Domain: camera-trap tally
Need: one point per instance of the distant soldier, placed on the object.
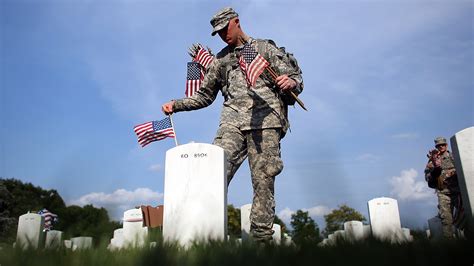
(254, 114)
(441, 175)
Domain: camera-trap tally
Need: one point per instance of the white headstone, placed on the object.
(354, 230)
(117, 242)
(30, 231)
(68, 244)
(287, 240)
(339, 235)
(324, 242)
(276, 233)
(81, 242)
(53, 239)
(245, 221)
(385, 219)
(462, 144)
(195, 196)
(134, 234)
(406, 235)
(331, 238)
(436, 228)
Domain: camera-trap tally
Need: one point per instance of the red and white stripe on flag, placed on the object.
(193, 78)
(203, 57)
(153, 131)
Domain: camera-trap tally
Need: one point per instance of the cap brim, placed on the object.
(218, 28)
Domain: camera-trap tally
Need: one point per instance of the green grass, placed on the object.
(371, 252)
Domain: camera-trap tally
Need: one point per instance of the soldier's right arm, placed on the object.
(205, 95)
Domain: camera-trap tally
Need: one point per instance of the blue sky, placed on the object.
(382, 80)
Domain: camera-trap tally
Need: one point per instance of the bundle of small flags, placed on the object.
(252, 64)
(49, 218)
(196, 70)
(154, 131)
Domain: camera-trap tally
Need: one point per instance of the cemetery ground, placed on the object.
(368, 252)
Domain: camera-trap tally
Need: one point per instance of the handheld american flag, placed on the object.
(203, 57)
(154, 131)
(252, 64)
(193, 79)
(49, 218)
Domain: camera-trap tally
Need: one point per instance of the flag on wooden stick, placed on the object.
(252, 64)
(154, 131)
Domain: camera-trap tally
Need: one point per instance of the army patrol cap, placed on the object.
(221, 19)
(439, 141)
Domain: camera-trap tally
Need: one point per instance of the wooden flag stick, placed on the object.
(174, 130)
(274, 76)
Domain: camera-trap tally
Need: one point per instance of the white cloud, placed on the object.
(316, 211)
(320, 210)
(119, 200)
(155, 167)
(408, 135)
(367, 157)
(406, 186)
(285, 214)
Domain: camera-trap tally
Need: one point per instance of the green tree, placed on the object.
(233, 221)
(27, 197)
(305, 229)
(7, 222)
(86, 221)
(335, 220)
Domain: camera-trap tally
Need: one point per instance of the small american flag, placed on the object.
(49, 218)
(193, 79)
(203, 57)
(153, 131)
(252, 64)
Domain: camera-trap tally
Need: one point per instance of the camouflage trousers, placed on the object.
(262, 147)
(446, 201)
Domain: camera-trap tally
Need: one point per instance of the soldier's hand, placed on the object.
(285, 83)
(167, 108)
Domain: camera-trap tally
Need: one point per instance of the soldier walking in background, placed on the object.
(254, 114)
(441, 175)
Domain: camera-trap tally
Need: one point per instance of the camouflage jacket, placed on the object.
(445, 175)
(245, 107)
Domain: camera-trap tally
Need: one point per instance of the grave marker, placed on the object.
(195, 196)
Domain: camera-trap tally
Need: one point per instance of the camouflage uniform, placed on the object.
(252, 122)
(447, 188)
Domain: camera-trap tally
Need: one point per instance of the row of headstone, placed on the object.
(354, 231)
(31, 234)
(384, 225)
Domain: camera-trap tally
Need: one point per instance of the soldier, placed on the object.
(253, 119)
(441, 175)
